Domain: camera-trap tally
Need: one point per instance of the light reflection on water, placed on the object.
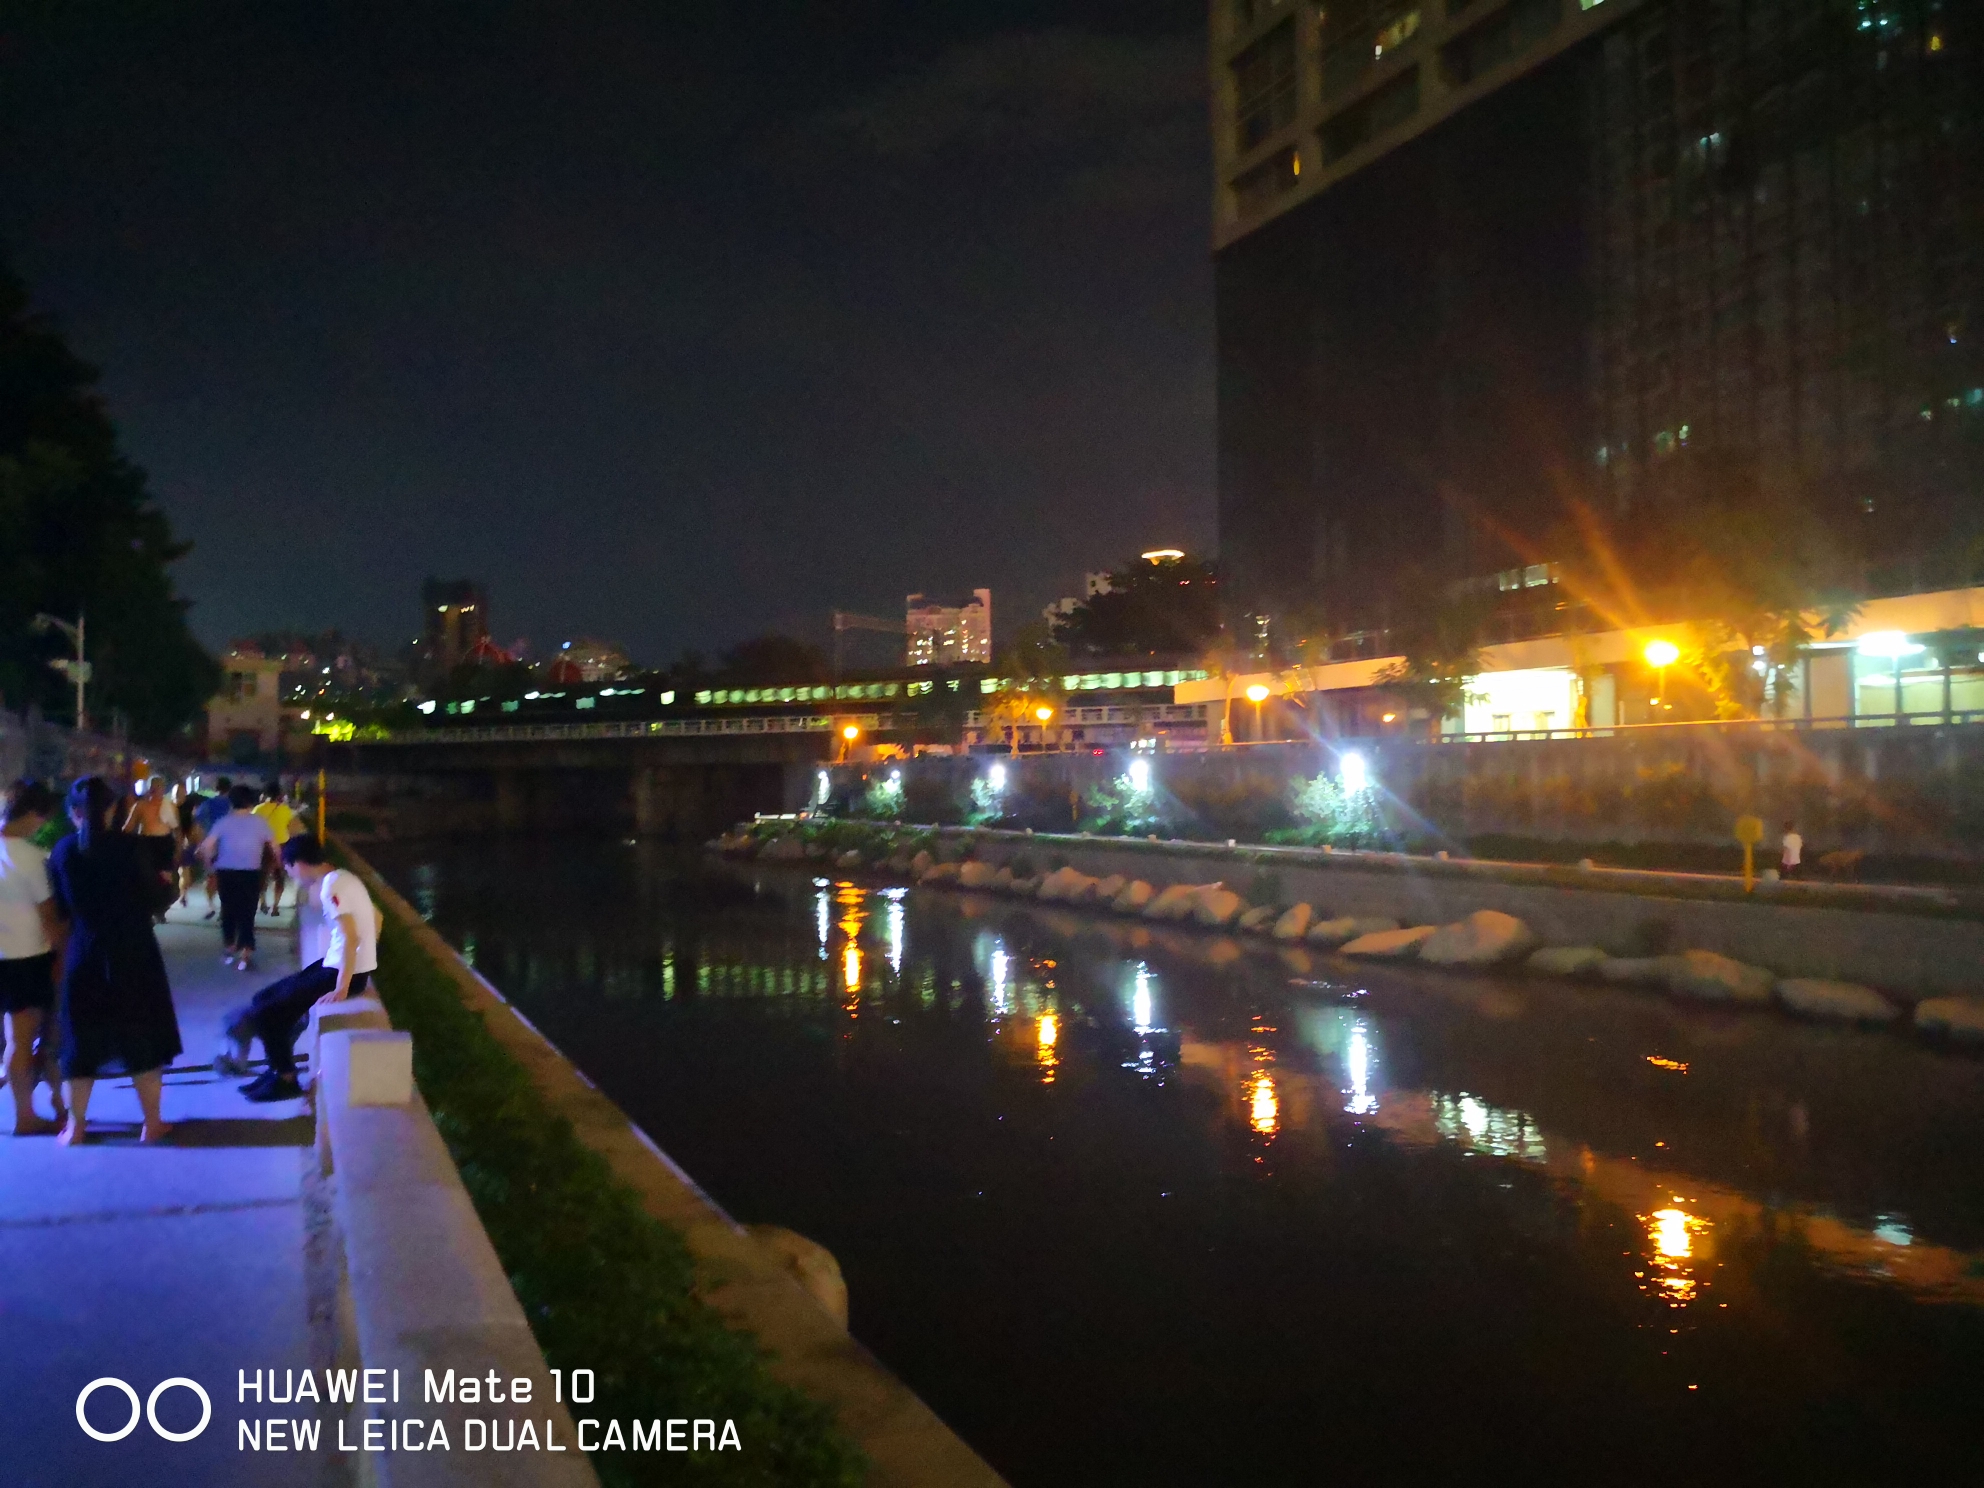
(1053, 1029)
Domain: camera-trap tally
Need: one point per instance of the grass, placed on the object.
(605, 1285)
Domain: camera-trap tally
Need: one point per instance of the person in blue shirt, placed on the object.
(209, 811)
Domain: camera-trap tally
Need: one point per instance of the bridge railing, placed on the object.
(657, 728)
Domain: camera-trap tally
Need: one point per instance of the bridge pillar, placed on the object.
(512, 800)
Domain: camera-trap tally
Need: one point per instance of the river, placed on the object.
(1160, 1208)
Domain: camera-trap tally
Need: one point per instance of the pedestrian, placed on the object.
(154, 820)
(30, 933)
(209, 811)
(279, 1012)
(115, 1003)
(237, 849)
(282, 822)
(1792, 856)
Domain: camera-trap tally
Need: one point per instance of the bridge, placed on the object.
(678, 777)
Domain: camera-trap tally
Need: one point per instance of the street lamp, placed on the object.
(849, 734)
(1257, 694)
(1660, 655)
(76, 669)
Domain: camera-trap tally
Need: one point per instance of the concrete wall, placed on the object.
(1909, 792)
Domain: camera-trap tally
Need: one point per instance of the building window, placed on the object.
(1273, 178)
(1357, 33)
(1501, 37)
(1264, 87)
(1384, 110)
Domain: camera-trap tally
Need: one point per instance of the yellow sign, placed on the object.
(1749, 832)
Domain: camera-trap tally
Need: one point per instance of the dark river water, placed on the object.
(1150, 1207)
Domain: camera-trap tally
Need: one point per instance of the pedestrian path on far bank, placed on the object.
(186, 1259)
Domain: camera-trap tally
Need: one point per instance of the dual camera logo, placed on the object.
(149, 1410)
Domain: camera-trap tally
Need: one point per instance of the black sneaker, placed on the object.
(271, 1086)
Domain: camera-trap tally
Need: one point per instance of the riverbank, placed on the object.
(1863, 955)
(625, 1267)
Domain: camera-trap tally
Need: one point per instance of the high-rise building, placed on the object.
(1481, 264)
(948, 635)
(456, 621)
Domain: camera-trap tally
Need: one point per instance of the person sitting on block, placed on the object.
(280, 1011)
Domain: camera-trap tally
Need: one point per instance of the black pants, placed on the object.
(278, 1013)
(239, 889)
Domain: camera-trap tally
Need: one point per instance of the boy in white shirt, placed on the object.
(278, 1013)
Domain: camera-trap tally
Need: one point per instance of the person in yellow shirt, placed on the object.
(283, 823)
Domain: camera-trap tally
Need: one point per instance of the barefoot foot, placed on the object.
(36, 1128)
(72, 1135)
(156, 1133)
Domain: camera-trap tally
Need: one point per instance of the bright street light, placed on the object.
(1352, 770)
(1660, 655)
(1257, 694)
(851, 732)
(1043, 712)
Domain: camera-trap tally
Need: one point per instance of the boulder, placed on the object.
(922, 863)
(1293, 922)
(1389, 945)
(784, 850)
(900, 862)
(1845, 1002)
(1002, 881)
(1258, 919)
(1173, 903)
(1635, 971)
(1566, 961)
(1714, 978)
(1061, 883)
(1106, 889)
(849, 859)
(1135, 898)
(1028, 887)
(1347, 927)
(1217, 906)
(976, 875)
(810, 1264)
(1485, 938)
(1952, 1017)
(940, 874)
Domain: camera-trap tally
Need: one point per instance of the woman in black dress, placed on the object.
(116, 1008)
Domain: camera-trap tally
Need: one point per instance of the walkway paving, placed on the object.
(146, 1263)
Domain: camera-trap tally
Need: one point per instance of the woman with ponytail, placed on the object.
(116, 1006)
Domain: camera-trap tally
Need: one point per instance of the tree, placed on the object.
(1439, 648)
(772, 659)
(79, 535)
(1032, 668)
(1168, 609)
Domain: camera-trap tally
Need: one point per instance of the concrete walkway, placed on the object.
(146, 1263)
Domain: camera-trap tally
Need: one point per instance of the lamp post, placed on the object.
(76, 669)
(1044, 713)
(1660, 655)
(1257, 694)
(848, 734)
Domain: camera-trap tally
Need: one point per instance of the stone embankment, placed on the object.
(1478, 939)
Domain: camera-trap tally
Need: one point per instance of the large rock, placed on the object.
(1293, 922)
(1389, 945)
(1217, 906)
(810, 1264)
(1026, 888)
(940, 874)
(1485, 938)
(785, 850)
(1257, 920)
(922, 863)
(976, 875)
(1845, 1002)
(1067, 883)
(1135, 898)
(1002, 881)
(1173, 903)
(1347, 927)
(849, 859)
(1105, 890)
(901, 862)
(1952, 1017)
(1566, 961)
(1713, 978)
(1635, 971)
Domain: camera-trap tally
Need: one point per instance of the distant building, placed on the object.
(587, 660)
(949, 635)
(455, 621)
(245, 719)
(1092, 584)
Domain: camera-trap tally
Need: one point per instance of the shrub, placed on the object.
(1329, 813)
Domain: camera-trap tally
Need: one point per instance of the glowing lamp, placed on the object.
(1257, 694)
(1391, 718)
(1355, 774)
(1661, 654)
(996, 777)
(1892, 644)
(1043, 713)
(851, 732)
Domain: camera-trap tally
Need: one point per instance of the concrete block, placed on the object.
(379, 1068)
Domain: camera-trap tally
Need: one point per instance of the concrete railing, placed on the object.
(421, 1286)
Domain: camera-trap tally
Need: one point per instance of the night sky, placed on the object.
(670, 322)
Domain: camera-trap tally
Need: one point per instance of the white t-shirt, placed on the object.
(241, 835)
(344, 893)
(23, 887)
(1794, 850)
